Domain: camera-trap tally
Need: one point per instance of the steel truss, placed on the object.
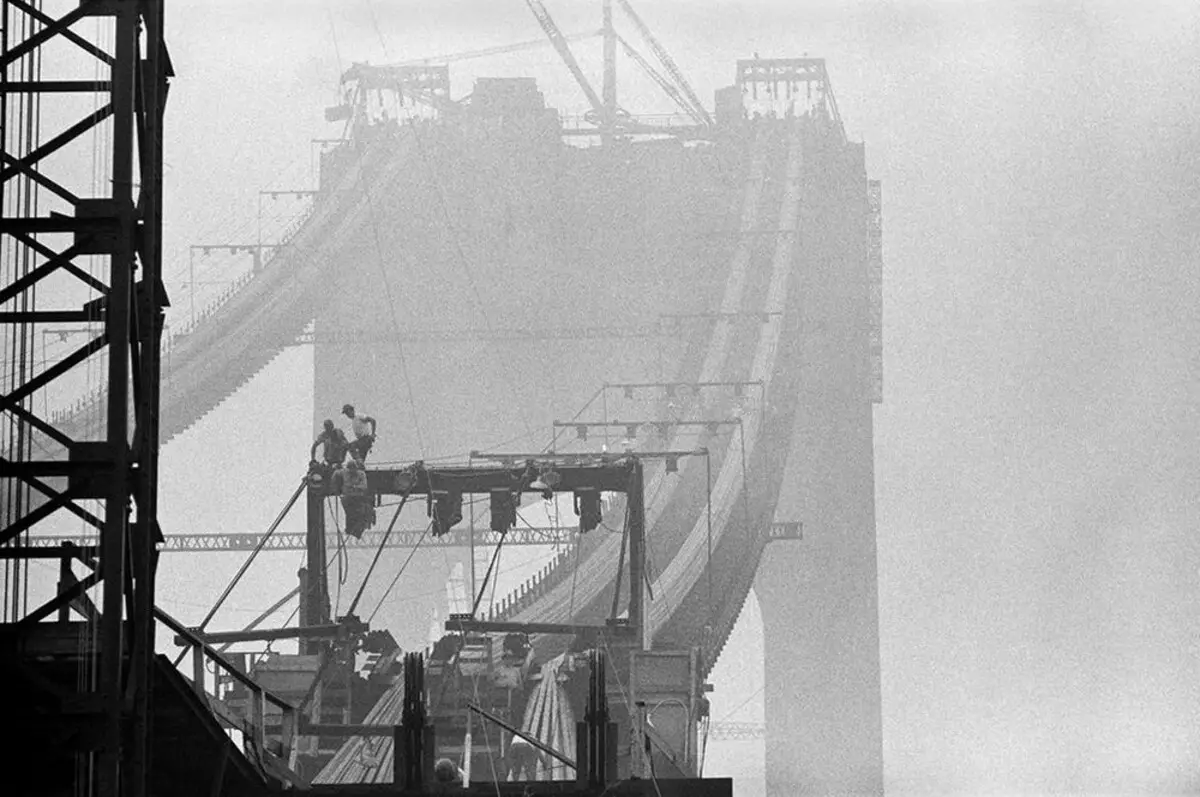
(109, 483)
(370, 540)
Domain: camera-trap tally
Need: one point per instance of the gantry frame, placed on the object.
(514, 473)
(117, 475)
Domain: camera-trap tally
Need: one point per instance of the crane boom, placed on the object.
(662, 82)
(500, 49)
(564, 52)
(668, 63)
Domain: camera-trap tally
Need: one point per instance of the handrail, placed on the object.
(254, 726)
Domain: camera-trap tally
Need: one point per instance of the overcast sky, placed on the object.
(1037, 461)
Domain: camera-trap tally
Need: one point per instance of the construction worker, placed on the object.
(445, 771)
(356, 498)
(335, 442)
(363, 427)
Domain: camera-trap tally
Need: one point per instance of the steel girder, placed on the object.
(109, 483)
(297, 541)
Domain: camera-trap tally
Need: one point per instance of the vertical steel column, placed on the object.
(150, 102)
(635, 496)
(118, 309)
(315, 594)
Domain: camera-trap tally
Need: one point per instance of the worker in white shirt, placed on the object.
(363, 427)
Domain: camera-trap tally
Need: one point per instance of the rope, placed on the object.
(257, 550)
(399, 573)
(379, 551)
(340, 556)
(486, 576)
(249, 560)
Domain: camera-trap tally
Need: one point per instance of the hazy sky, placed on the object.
(1036, 452)
(1036, 465)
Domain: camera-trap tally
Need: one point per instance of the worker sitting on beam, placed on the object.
(351, 482)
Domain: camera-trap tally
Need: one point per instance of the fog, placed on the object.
(1036, 454)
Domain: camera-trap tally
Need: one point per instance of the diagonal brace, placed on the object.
(54, 27)
(34, 421)
(64, 30)
(64, 598)
(42, 179)
(57, 498)
(58, 142)
(71, 268)
(59, 368)
(56, 261)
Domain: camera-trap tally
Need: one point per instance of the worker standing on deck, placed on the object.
(335, 442)
(363, 427)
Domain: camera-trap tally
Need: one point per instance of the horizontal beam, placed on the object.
(232, 246)
(724, 422)
(329, 631)
(192, 641)
(48, 467)
(761, 316)
(307, 728)
(55, 224)
(84, 553)
(506, 627)
(552, 456)
(40, 86)
(736, 233)
(527, 335)
(48, 317)
(50, 546)
(624, 385)
(605, 476)
(370, 540)
(676, 131)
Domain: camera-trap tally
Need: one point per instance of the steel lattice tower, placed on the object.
(107, 245)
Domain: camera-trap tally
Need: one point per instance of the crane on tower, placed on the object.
(668, 63)
(663, 83)
(556, 37)
(501, 49)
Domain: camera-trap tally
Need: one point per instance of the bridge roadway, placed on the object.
(427, 226)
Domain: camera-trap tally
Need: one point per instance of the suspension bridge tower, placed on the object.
(820, 600)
